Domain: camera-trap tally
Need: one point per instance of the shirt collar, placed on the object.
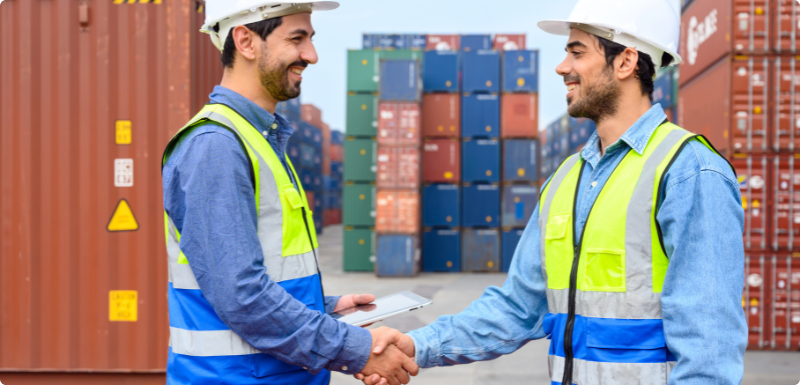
(259, 117)
(636, 138)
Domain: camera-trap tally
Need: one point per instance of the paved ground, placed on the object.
(452, 293)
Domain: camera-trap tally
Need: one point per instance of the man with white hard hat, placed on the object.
(633, 262)
(246, 304)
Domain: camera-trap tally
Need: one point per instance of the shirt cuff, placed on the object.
(330, 303)
(355, 352)
(427, 349)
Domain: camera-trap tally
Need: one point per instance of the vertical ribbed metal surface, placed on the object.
(66, 80)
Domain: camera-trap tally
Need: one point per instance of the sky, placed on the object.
(324, 84)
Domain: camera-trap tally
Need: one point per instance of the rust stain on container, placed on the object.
(66, 82)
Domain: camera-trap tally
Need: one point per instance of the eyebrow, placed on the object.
(303, 32)
(575, 44)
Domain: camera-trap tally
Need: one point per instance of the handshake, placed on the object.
(391, 360)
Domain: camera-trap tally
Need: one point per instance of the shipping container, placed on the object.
(307, 154)
(359, 205)
(441, 205)
(786, 202)
(480, 205)
(664, 91)
(310, 195)
(337, 137)
(363, 67)
(475, 42)
(480, 71)
(397, 212)
(480, 250)
(310, 135)
(752, 173)
(786, 26)
(362, 115)
(399, 124)
(785, 302)
(318, 222)
(441, 71)
(293, 151)
(401, 80)
(729, 105)
(510, 240)
(397, 255)
(441, 250)
(509, 42)
(333, 200)
(442, 160)
(580, 134)
(359, 249)
(441, 115)
(290, 109)
(375, 41)
(398, 167)
(331, 184)
(411, 41)
(519, 117)
(480, 115)
(312, 114)
(521, 71)
(520, 160)
(443, 42)
(754, 300)
(337, 170)
(518, 204)
(480, 161)
(786, 104)
(361, 157)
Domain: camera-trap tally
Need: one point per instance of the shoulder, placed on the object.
(695, 159)
(207, 141)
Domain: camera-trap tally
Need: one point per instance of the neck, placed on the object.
(243, 84)
(611, 128)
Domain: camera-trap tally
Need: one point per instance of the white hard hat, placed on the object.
(649, 26)
(232, 13)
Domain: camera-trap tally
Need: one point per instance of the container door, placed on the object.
(753, 301)
(786, 27)
(785, 295)
(786, 121)
(786, 214)
(750, 115)
(751, 25)
(753, 186)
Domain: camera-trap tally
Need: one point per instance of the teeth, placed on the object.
(571, 87)
(297, 71)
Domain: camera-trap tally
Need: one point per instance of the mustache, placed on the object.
(572, 79)
(299, 63)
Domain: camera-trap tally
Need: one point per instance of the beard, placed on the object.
(599, 100)
(274, 77)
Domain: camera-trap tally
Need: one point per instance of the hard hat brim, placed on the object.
(315, 7)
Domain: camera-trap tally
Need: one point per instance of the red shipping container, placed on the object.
(506, 42)
(785, 302)
(786, 126)
(442, 160)
(754, 301)
(710, 29)
(310, 199)
(326, 149)
(311, 114)
(337, 216)
(753, 176)
(397, 212)
(519, 116)
(786, 202)
(441, 115)
(399, 124)
(787, 33)
(729, 105)
(443, 42)
(398, 167)
(337, 153)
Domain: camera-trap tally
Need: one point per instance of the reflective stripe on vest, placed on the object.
(621, 266)
(289, 254)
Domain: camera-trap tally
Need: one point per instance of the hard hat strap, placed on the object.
(623, 39)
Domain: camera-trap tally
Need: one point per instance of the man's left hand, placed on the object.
(352, 300)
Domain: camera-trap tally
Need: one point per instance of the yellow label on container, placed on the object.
(123, 130)
(521, 172)
(520, 82)
(448, 83)
(488, 172)
(516, 199)
(490, 264)
(448, 175)
(488, 219)
(441, 128)
(123, 218)
(488, 128)
(122, 305)
(488, 83)
(361, 242)
(449, 219)
(753, 302)
(449, 263)
(363, 152)
(363, 106)
(364, 62)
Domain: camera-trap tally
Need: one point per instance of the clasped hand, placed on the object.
(392, 359)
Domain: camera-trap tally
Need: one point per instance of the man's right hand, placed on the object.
(388, 341)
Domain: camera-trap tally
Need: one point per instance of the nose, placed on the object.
(309, 53)
(564, 68)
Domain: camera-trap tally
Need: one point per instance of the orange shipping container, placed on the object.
(519, 116)
(753, 177)
(397, 212)
(442, 160)
(92, 92)
(441, 115)
(398, 167)
(399, 124)
(785, 301)
(443, 42)
(311, 114)
(786, 110)
(509, 42)
(786, 202)
(337, 153)
(754, 300)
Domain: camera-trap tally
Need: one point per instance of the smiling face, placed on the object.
(284, 56)
(593, 90)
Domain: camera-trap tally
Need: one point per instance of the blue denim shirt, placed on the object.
(702, 222)
(210, 197)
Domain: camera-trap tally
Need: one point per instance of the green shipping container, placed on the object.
(363, 67)
(359, 204)
(360, 163)
(362, 115)
(359, 249)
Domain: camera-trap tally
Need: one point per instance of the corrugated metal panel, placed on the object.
(442, 160)
(754, 301)
(441, 250)
(398, 167)
(753, 185)
(785, 299)
(520, 160)
(362, 115)
(361, 157)
(510, 241)
(398, 256)
(441, 115)
(480, 206)
(481, 71)
(787, 35)
(476, 42)
(441, 71)
(480, 115)
(518, 203)
(397, 212)
(66, 84)
(480, 250)
(359, 205)
(786, 202)
(359, 249)
(480, 161)
(441, 205)
(521, 71)
(399, 124)
(786, 120)
(519, 116)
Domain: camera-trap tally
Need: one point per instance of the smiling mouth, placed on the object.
(296, 71)
(571, 87)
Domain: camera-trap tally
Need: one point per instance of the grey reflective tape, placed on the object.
(638, 229)
(208, 343)
(180, 275)
(604, 304)
(292, 267)
(610, 373)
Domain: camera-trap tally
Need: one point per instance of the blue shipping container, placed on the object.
(337, 170)
(580, 134)
(481, 71)
(411, 41)
(331, 184)
(397, 256)
(332, 200)
(379, 41)
(318, 222)
(400, 81)
(293, 151)
(318, 161)
(289, 109)
(480, 161)
(662, 91)
(476, 42)
(520, 71)
(337, 137)
(480, 115)
(441, 250)
(480, 206)
(441, 71)
(520, 160)
(310, 135)
(511, 239)
(480, 250)
(518, 204)
(306, 178)
(441, 205)
(307, 156)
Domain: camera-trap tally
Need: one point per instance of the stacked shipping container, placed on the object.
(333, 179)
(738, 87)
(305, 149)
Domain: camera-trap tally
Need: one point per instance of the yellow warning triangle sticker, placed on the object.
(123, 218)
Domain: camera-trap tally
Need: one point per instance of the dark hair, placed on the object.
(262, 28)
(646, 68)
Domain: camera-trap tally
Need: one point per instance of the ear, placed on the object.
(245, 41)
(626, 63)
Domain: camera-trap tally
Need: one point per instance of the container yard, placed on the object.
(421, 144)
